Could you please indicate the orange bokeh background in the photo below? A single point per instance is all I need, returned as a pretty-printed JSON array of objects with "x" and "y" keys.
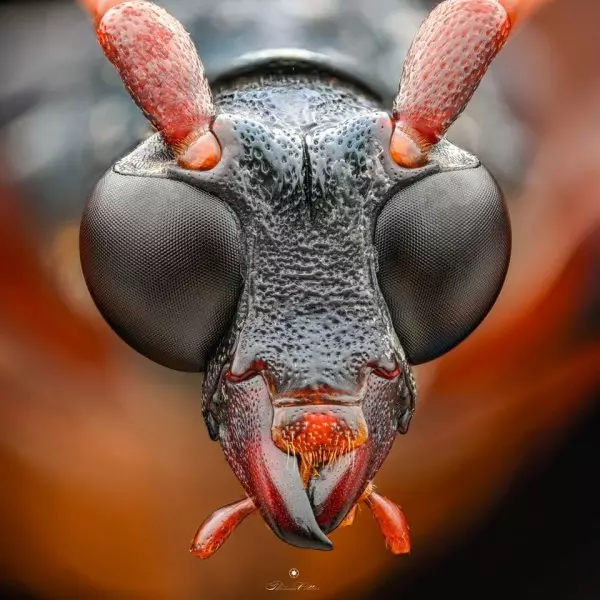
[{"x": 106, "y": 468}]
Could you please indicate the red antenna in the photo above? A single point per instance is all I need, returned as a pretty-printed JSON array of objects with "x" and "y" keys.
[
  {"x": 162, "y": 71},
  {"x": 445, "y": 65}
]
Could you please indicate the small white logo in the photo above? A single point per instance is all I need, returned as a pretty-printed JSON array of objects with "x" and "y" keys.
[{"x": 292, "y": 586}]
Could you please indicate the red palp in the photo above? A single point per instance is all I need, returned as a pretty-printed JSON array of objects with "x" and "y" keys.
[
  {"x": 392, "y": 522},
  {"x": 215, "y": 531}
]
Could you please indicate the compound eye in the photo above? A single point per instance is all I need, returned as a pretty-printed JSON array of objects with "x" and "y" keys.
[
  {"x": 444, "y": 247},
  {"x": 162, "y": 262}
]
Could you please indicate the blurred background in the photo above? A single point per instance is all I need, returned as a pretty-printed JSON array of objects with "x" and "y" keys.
[{"x": 106, "y": 469}]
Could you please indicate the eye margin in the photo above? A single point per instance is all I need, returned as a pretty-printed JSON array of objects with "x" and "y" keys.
[
  {"x": 414, "y": 228},
  {"x": 143, "y": 251}
]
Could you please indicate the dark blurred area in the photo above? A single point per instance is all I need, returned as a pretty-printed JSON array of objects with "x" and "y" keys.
[{"x": 106, "y": 468}]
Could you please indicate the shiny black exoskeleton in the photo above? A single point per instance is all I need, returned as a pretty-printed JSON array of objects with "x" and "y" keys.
[{"x": 306, "y": 272}]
